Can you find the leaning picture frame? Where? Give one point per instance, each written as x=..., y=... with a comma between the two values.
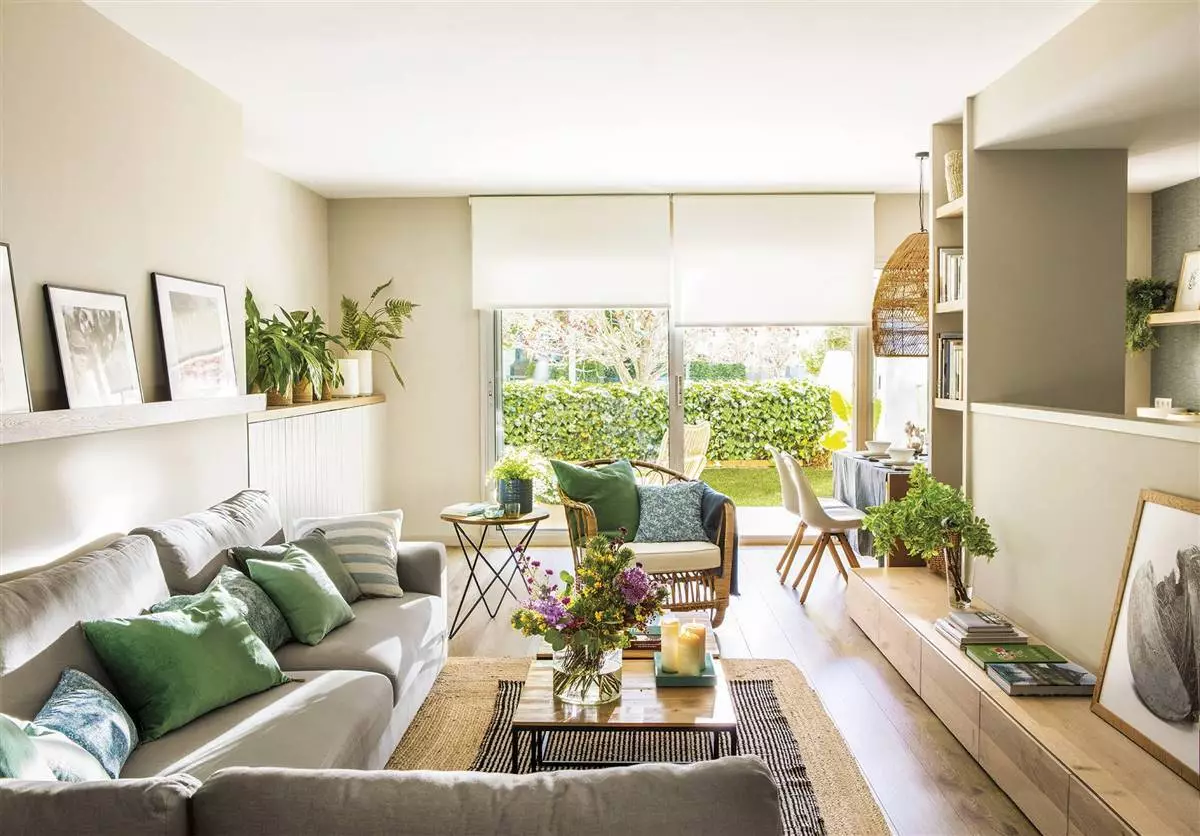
x=197, y=340
x=14, y=379
x=1187, y=292
x=1148, y=687
x=93, y=338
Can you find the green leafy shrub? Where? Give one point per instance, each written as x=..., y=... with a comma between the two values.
x=1142, y=298
x=611, y=420
x=704, y=370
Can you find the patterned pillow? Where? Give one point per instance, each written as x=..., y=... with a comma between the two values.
x=31, y=752
x=84, y=711
x=670, y=513
x=252, y=603
x=367, y=545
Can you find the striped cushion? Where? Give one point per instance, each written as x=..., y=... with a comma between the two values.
x=367, y=544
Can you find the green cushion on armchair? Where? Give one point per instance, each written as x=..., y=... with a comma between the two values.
x=610, y=489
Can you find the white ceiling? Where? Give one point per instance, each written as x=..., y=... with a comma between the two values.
x=397, y=98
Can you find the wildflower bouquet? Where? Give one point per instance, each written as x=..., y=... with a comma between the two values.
x=588, y=618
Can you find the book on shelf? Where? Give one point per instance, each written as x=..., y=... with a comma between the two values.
x=962, y=638
x=979, y=620
x=999, y=654
x=950, y=366
x=1042, y=679
x=951, y=274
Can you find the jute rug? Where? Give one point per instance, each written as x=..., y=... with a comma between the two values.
x=464, y=724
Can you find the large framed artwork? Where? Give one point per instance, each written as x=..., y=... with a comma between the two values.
x=1187, y=292
x=94, y=342
x=1149, y=685
x=197, y=342
x=14, y=383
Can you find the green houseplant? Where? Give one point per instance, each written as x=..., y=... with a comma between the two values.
x=317, y=371
x=371, y=328
x=1142, y=298
x=271, y=356
x=515, y=473
x=932, y=520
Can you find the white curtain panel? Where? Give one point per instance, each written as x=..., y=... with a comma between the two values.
x=571, y=252
x=774, y=259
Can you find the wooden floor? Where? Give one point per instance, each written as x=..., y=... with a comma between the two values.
x=925, y=781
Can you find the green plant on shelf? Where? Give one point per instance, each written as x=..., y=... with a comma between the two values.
x=313, y=348
x=373, y=327
x=927, y=520
x=1142, y=298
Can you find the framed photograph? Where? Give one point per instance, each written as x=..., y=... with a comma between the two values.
x=1187, y=292
x=14, y=383
x=94, y=341
x=1148, y=683
x=197, y=343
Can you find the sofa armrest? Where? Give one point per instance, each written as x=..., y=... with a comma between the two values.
x=132, y=807
x=421, y=567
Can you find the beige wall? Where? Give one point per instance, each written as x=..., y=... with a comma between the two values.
x=286, y=243
x=432, y=446
x=117, y=162
x=1060, y=500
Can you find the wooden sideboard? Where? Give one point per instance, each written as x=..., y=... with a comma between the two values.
x=1070, y=772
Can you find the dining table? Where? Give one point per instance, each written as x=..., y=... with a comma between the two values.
x=863, y=481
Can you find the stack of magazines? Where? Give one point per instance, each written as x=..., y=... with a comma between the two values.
x=964, y=627
x=1042, y=679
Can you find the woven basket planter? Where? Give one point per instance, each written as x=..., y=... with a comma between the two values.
x=302, y=392
x=954, y=175
x=937, y=565
x=277, y=398
x=326, y=391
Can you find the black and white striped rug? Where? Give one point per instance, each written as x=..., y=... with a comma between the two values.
x=762, y=731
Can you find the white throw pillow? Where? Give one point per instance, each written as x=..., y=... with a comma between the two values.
x=367, y=545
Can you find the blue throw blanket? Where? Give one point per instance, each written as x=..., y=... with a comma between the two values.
x=712, y=512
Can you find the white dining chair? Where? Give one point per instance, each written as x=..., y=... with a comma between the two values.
x=790, y=494
x=831, y=523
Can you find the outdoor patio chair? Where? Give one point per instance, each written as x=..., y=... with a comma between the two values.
x=697, y=574
x=695, y=449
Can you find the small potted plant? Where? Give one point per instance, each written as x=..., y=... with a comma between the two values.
x=514, y=474
x=1142, y=298
x=587, y=619
x=935, y=521
x=271, y=356
x=370, y=329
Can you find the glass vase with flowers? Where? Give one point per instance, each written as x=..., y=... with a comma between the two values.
x=589, y=617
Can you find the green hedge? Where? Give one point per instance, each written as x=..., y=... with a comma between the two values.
x=604, y=420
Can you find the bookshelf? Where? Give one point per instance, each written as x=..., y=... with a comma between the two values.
x=953, y=209
x=952, y=404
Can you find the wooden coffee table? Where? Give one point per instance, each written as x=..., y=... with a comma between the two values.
x=641, y=708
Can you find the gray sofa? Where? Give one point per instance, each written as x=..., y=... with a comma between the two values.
x=291, y=759
x=351, y=698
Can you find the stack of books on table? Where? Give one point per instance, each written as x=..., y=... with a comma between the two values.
x=966, y=627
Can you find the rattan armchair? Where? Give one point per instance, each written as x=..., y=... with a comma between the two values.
x=697, y=589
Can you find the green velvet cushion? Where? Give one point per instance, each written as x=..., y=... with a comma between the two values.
x=315, y=546
x=611, y=491
x=254, y=605
x=304, y=594
x=172, y=667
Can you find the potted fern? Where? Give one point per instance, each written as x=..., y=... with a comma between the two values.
x=370, y=329
x=935, y=521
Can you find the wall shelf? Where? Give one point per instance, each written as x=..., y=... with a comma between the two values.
x=949, y=403
x=66, y=423
x=955, y=306
x=1175, y=318
x=953, y=209
x=274, y=413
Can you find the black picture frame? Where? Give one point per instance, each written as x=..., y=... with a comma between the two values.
x=97, y=391
x=185, y=385
x=8, y=401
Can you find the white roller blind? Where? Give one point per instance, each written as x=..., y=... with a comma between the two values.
x=571, y=252
x=774, y=259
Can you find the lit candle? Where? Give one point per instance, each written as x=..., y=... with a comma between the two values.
x=670, y=643
x=690, y=653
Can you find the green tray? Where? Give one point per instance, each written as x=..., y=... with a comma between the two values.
x=706, y=679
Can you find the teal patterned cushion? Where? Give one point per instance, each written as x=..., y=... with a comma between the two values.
x=85, y=712
x=31, y=752
x=253, y=603
x=670, y=513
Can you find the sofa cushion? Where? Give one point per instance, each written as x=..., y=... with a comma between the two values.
x=610, y=490
x=193, y=549
x=254, y=604
x=319, y=720
x=86, y=712
x=317, y=547
x=172, y=667
x=677, y=557
x=40, y=614
x=366, y=544
x=149, y=807
x=304, y=593
x=68, y=761
x=670, y=513
x=730, y=795
x=392, y=636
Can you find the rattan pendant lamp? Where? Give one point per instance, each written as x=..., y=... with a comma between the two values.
x=900, y=315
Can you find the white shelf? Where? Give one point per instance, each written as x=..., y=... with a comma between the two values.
x=1175, y=318
x=273, y=413
x=953, y=209
x=65, y=423
x=955, y=306
x=949, y=403
x=1149, y=427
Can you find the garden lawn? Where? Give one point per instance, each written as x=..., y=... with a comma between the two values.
x=759, y=486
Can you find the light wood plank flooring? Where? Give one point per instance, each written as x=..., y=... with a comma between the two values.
x=925, y=781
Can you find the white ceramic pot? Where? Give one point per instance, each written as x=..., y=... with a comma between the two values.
x=366, y=385
x=349, y=372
